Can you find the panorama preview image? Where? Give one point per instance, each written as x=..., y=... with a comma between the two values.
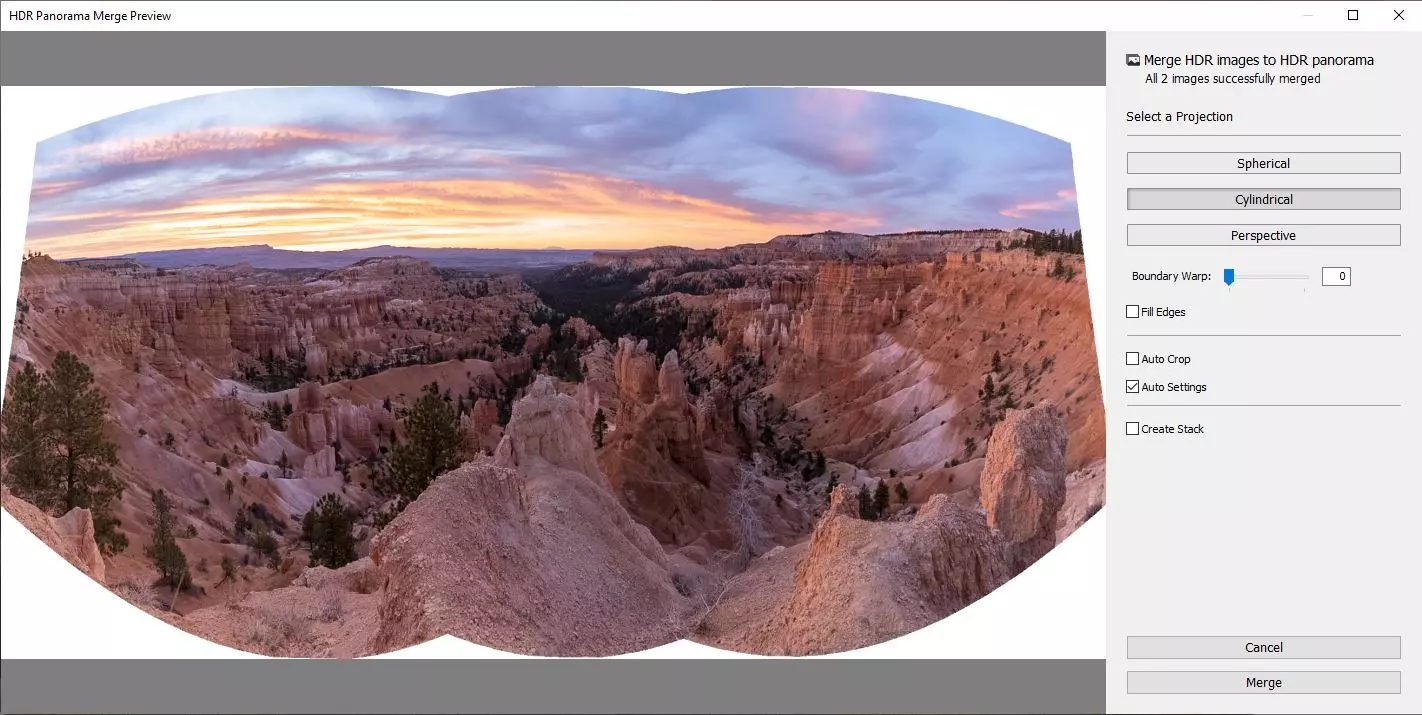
x=558, y=371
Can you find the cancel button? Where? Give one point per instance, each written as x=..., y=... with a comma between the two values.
x=1268, y=648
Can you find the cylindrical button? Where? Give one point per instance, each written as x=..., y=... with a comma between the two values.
x=1264, y=199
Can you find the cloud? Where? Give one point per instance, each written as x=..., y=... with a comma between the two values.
x=573, y=210
x=591, y=167
x=1064, y=200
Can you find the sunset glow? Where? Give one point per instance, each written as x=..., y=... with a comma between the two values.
x=330, y=169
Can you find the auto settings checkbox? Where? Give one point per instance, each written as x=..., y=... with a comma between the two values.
x=1133, y=428
x=1133, y=386
x=1133, y=311
x=1133, y=358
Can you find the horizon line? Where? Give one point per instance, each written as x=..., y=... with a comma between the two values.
x=268, y=246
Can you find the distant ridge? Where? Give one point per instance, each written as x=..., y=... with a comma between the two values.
x=265, y=257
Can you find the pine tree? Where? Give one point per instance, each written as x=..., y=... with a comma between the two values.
x=902, y=492
x=164, y=551
x=866, y=503
x=433, y=445
x=79, y=413
x=330, y=535
x=996, y=361
x=881, y=499
x=599, y=427
x=229, y=570
x=26, y=445
x=56, y=454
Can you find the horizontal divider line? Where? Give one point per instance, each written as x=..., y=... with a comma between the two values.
x=1264, y=335
x=1182, y=404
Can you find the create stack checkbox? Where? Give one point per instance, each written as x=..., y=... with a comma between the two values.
x=1133, y=428
x=1133, y=386
x=1133, y=311
x=1133, y=358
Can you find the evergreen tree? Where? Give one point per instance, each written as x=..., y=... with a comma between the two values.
x=866, y=504
x=881, y=499
x=26, y=445
x=330, y=535
x=79, y=411
x=164, y=551
x=229, y=570
x=996, y=361
x=902, y=492
x=599, y=427
x=272, y=415
x=56, y=454
x=433, y=445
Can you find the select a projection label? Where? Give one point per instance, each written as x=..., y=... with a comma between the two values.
x=1263, y=234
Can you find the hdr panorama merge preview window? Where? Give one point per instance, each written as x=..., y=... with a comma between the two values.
x=692, y=386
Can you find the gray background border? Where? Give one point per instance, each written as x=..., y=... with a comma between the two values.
x=842, y=59
x=817, y=685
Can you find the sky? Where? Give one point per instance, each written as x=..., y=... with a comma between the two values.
x=577, y=168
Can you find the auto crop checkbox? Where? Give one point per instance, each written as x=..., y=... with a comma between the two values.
x=1133, y=358
x=1133, y=428
x=1133, y=386
x=1133, y=311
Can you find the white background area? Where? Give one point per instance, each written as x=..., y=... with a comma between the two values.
x=48, y=609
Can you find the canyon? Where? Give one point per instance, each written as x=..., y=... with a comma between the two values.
x=655, y=445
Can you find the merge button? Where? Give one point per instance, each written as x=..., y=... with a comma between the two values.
x=1263, y=682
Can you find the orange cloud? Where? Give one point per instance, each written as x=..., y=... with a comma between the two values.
x=556, y=208
x=1023, y=210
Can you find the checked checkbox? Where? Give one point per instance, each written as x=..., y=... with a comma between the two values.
x=1133, y=386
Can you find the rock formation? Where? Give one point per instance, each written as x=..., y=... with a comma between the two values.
x=858, y=583
x=71, y=535
x=1023, y=481
x=656, y=460
x=547, y=430
x=540, y=563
